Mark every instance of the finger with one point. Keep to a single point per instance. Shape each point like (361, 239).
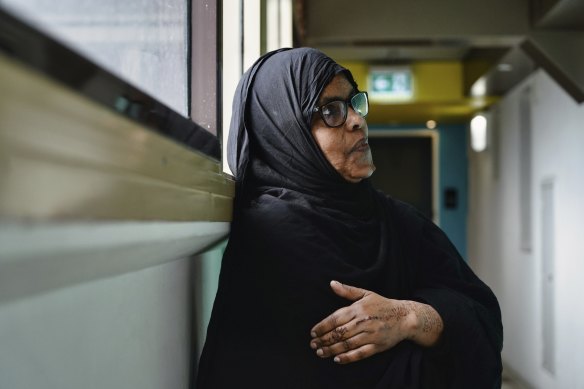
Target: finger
(338, 334)
(351, 343)
(337, 319)
(349, 292)
(357, 354)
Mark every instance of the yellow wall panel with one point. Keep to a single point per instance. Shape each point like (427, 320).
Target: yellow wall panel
(437, 81)
(359, 71)
(438, 95)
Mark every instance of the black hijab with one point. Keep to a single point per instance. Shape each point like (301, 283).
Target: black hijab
(270, 140)
(297, 225)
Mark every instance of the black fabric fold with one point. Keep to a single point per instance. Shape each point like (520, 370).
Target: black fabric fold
(298, 225)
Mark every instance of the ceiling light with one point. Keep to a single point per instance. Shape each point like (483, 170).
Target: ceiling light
(479, 88)
(478, 133)
(504, 67)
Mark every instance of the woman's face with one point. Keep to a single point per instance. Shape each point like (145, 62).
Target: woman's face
(345, 147)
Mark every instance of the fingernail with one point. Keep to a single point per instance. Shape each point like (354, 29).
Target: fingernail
(337, 360)
(313, 346)
(313, 334)
(333, 282)
(319, 352)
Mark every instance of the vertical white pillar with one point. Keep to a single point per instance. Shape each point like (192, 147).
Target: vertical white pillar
(251, 32)
(232, 65)
(272, 25)
(286, 17)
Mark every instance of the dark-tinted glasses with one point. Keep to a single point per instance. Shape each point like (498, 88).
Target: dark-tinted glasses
(334, 113)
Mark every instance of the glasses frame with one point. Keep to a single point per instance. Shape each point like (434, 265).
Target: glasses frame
(346, 102)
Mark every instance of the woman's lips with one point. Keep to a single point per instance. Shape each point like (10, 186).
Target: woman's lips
(361, 145)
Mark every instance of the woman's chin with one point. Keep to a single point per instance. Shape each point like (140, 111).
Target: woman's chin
(360, 174)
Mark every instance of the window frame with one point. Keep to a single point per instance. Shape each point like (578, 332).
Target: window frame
(36, 49)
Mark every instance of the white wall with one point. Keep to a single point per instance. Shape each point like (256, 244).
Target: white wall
(208, 268)
(494, 230)
(128, 331)
(104, 304)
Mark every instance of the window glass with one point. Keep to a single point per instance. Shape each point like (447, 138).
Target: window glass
(243, 35)
(141, 41)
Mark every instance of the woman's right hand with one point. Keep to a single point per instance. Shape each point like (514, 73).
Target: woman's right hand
(372, 324)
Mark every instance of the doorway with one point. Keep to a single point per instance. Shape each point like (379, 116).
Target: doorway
(405, 167)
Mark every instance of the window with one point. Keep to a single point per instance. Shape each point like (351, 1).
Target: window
(250, 28)
(144, 42)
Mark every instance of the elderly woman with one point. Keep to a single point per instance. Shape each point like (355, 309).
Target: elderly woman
(326, 282)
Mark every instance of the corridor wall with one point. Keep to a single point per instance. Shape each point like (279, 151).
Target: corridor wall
(498, 250)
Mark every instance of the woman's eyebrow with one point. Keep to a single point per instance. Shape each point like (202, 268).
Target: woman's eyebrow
(327, 99)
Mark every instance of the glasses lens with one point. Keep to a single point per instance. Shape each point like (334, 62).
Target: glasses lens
(360, 103)
(334, 113)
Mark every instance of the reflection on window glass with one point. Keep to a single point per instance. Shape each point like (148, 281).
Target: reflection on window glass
(141, 41)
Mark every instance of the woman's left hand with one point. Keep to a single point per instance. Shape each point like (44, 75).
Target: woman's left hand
(372, 324)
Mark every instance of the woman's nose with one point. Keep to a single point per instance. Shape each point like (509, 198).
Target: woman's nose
(354, 120)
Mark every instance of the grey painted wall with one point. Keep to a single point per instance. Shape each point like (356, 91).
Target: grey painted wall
(127, 331)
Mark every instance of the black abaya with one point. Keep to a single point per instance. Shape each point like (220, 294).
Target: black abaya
(298, 225)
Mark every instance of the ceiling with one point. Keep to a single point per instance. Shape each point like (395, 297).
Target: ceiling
(496, 40)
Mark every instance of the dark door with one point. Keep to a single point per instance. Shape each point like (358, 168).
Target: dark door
(404, 169)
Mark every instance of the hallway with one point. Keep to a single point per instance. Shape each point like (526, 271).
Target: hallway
(116, 198)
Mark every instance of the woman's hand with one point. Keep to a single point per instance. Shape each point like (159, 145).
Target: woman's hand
(372, 324)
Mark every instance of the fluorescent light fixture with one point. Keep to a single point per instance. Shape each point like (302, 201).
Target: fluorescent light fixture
(478, 133)
(479, 88)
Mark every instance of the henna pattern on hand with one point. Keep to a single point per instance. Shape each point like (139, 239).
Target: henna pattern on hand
(338, 333)
(429, 318)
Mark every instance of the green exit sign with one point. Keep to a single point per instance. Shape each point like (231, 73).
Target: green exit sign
(390, 84)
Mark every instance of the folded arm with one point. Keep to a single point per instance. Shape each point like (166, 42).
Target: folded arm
(372, 324)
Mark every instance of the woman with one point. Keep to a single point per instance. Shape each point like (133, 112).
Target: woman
(327, 283)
